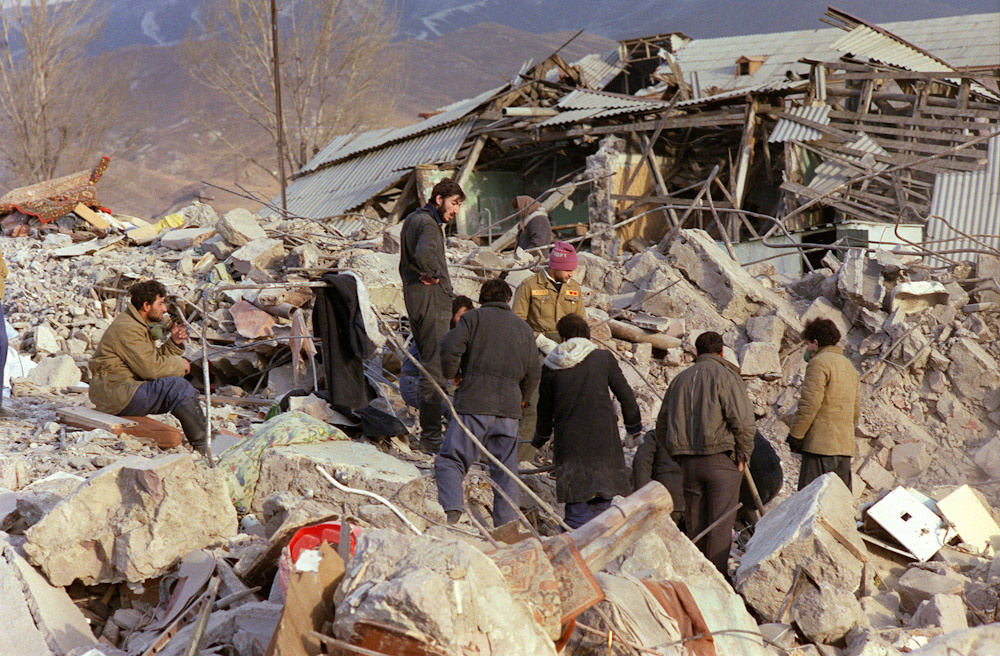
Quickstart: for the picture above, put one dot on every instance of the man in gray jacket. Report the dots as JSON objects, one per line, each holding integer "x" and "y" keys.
{"x": 706, "y": 423}
{"x": 427, "y": 294}
{"x": 491, "y": 356}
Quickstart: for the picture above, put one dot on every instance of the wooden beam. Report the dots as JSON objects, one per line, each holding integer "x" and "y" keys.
{"x": 739, "y": 179}
{"x": 945, "y": 124}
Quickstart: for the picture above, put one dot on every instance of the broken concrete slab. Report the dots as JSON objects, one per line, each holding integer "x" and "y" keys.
{"x": 987, "y": 457}
{"x": 62, "y": 626}
{"x": 882, "y": 610}
{"x": 826, "y": 614}
{"x": 257, "y": 255}
{"x": 45, "y": 340}
{"x": 37, "y": 499}
{"x": 860, "y": 280}
{"x": 875, "y": 475}
{"x": 736, "y": 294}
{"x": 447, "y": 590}
{"x": 239, "y": 227}
{"x": 766, "y": 329}
{"x": 974, "y": 373}
{"x": 218, "y": 247}
{"x": 55, "y": 372}
{"x": 946, "y": 611}
{"x": 918, "y": 585}
{"x": 380, "y": 273}
{"x": 912, "y": 297}
{"x": 977, "y": 641}
{"x": 910, "y": 459}
{"x": 185, "y": 238}
{"x": 355, "y": 464}
{"x": 133, "y": 520}
{"x": 760, "y": 359}
{"x": 20, "y": 635}
{"x": 793, "y": 534}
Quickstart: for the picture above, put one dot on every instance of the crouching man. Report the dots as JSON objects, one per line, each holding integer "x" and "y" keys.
{"x": 132, "y": 377}
{"x": 491, "y": 356}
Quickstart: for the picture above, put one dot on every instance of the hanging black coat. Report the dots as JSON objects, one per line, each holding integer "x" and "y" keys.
{"x": 338, "y": 323}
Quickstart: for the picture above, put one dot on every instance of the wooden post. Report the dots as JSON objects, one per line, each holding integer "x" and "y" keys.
{"x": 462, "y": 221}
{"x": 408, "y": 193}
{"x": 746, "y": 154}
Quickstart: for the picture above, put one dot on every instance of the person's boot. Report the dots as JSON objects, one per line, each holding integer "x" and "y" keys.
{"x": 430, "y": 427}
{"x": 193, "y": 423}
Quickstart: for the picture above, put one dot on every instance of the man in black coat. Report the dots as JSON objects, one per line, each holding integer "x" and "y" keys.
{"x": 427, "y": 294}
{"x": 491, "y": 356}
{"x": 574, "y": 405}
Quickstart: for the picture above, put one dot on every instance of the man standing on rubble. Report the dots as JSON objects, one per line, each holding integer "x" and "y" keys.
{"x": 706, "y": 424}
{"x": 132, "y": 377}
{"x": 542, "y": 300}
{"x": 575, "y": 407}
{"x": 829, "y": 406}
{"x": 427, "y": 294}
{"x": 492, "y": 358}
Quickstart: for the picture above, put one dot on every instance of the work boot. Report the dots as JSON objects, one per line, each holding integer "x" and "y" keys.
{"x": 453, "y": 516}
{"x": 430, "y": 427}
{"x": 193, "y": 422}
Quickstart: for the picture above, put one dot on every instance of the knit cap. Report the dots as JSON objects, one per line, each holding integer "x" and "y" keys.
{"x": 562, "y": 257}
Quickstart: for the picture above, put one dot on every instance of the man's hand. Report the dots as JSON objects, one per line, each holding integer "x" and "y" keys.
{"x": 178, "y": 334}
{"x": 187, "y": 366}
{"x": 429, "y": 280}
{"x": 741, "y": 461}
{"x": 457, "y": 380}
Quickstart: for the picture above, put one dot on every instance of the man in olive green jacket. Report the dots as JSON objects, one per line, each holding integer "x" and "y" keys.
{"x": 132, "y": 377}
{"x": 706, "y": 424}
{"x": 829, "y": 407}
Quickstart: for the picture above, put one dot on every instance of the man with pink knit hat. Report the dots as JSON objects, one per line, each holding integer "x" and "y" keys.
{"x": 542, "y": 300}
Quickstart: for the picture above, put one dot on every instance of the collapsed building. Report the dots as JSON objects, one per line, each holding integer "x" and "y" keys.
{"x": 742, "y": 185}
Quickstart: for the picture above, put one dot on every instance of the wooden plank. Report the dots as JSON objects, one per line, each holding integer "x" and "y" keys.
{"x": 953, "y": 124}
{"x": 888, "y": 74}
{"x": 91, "y": 217}
{"x": 745, "y": 155}
{"x": 918, "y": 133}
{"x": 847, "y": 544}
{"x": 90, "y": 419}
{"x": 666, "y": 200}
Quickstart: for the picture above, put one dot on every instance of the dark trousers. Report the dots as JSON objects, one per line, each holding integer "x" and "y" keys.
{"x": 458, "y": 453}
{"x": 578, "y": 513}
{"x": 529, "y": 418}
{"x": 3, "y": 350}
{"x": 429, "y": 310}
{"x": 711, "y": 487}
{"x": 814, "y": 466}
{"x": 156, "y": 397}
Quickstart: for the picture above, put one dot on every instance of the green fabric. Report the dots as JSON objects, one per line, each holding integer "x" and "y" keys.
{"x": 241, "y": 462}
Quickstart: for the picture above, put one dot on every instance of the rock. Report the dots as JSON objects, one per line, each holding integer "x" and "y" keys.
{"x": 13, "y": 472}
{"x": 259, "y": 255}
{"x": 918, "y": 585}
{"x": 910, "y": 459}
{"x": 736, "y": 294}
{"x": 218, "y": 247}
{"x": 882, "y": 610}
{"x": 988, "y": 457}
{"x": 446, "y": 589}
{"x": 45, "y": 340}
{"x": 61, "y": 625}
{"x": 860, "y": 280}
{"x": 875, "y": 475}
{"x": 132, "y": 521}
{"x": 760, "y": 359}
{"x": 56, "y": 371}
{"x": 256, "y": 622}
{"x": 37, "y": 499}
{"x": 791, "y": 534}
{"x": 944, "y": 610}
{"x": 199, "y": 214}
{"x": 978, "y": 641}
{"x": 821, "y": 308}
{"x": 869, "y": 643}
{"x": 486, "y": 258}
{"x": 380, "y": 273}
{"x": 598, "y": 273}
{"x": 766, "y": 329}
{"x": 306, "y": 256}
{"x": 20, "y": 635}
{"x": 355, "y": 464}
{"x": 185, "y": 238}
{"x": 239, "y": 227}
{"x": 973, "y": 372}
{"x": 825, "y": 615}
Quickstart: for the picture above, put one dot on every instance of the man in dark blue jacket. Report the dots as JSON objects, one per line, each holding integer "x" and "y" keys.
{"x": 491, "y": 356}
{"x": 427, "y": 294}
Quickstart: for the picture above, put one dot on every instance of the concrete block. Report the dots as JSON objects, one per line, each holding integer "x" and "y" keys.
{"x": 45, "y": 340}
{"x": 973, "y": 372}
{"x": 882, "y": 610}
{"x": 133, "y": 520}
{"x": 185, "y": 238}
{"x": 875, "y": 475}
{"x": 218, "y": 247}
{"x": 260, "y": 254}
{"x": 56, "y": 371}
{"x": 760, "y": 359}
{"x": 766, "y": 329}
{"x": 981, "y": 640}
{"x": 37, "y": 499}
{"x": 20, "y": 635}
{"x": 380, "y": 273}
{"x": 909, "y": 459}
{"x": 944, "y": 610}
{"x": 826, "y": 614}
{"x": 239, "y": 227}
{"x": 918, "y": 585}
{"x": 860, "y": 280}
{"x": 791, "y": 534}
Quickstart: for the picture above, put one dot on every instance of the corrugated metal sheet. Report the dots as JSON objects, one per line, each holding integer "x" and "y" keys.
{"x": 347, "y": 185}
{"x": 832, "y": 173}
{"x": 866, "y": 42}
{"x": 581, "y": 104}
{"x": 970, "y": 201}
{"x": 742, "y": 91}
{"x": 343, "y": 147}
{"x": 786, "y": 130}
{"x": 598, "y": 70}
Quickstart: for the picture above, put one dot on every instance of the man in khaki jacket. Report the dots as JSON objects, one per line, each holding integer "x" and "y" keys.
{"x": 706, "y": 424}
{"x": 542, "y": 300}
{"x": 132, "y": 377}
{"x": 829, "y": 407}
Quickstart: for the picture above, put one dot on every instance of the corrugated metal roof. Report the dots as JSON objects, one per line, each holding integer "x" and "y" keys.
{"x": 347, "y": 185}
{"x": 970, "y": 201}
{"x": 959, "y": 40}
{"x": 597, "y": 69}
{"x": 834, "y": 172}
{"x": 787, "y": 130}
{"x": 345, "y": 146}
{"x": 583, "y": 104}
{"x": 764, "y": 87}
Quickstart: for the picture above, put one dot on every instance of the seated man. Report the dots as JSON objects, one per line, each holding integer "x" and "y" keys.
{"x": 409, "y": 375}
{"x": 132, "y": 377}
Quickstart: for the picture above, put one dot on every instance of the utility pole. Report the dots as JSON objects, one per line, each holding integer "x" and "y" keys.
{"x": 277, "y": 106}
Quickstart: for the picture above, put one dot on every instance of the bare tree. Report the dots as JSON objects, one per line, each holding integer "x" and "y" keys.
{"x": 58, "y": 107}
{"x": 339, "y": 69}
